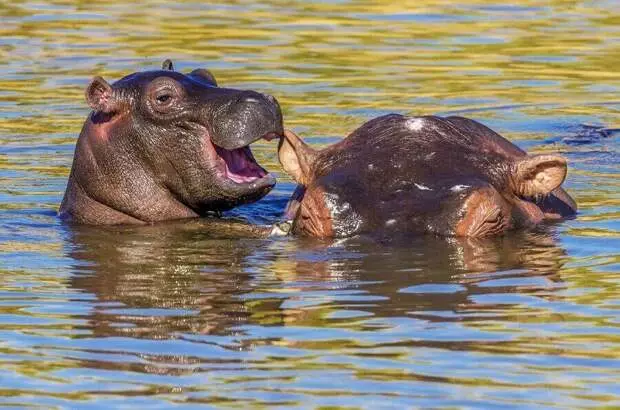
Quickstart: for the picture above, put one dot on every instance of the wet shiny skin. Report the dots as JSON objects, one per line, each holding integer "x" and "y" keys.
{"x": 164, "y": 145}
{"x": 402, "y": 175}
{"x": 178, "y": 315}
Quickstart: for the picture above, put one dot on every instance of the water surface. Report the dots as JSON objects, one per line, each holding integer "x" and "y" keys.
{"x": 171, "y": 315}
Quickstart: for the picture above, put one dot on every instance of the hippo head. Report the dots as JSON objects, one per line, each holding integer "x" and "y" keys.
{"x": 165, "y": 145}
{"x": 447, "y": 176}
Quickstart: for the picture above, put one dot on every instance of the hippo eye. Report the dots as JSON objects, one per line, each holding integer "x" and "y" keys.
{"x": 164, "y": 98}
{"x": 164, "y": 95}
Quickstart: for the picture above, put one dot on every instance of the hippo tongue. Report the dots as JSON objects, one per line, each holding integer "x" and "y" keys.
{"x": 241, "y": 167}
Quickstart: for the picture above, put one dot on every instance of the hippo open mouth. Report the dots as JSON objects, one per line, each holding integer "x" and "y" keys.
{"x": 240, "y": 165}
{"x": 231, "y": 129}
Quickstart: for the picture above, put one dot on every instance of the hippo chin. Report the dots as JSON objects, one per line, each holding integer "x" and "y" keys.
{"x": 445, "y": 176}
{"x": 162, "y": 145}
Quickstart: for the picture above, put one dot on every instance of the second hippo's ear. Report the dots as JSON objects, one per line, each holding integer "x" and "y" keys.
{"x": 296, "y": 157}
{"x": 99, "y": 95}
{"x": 536, "y": 175}
{"x": 203, "y": 75}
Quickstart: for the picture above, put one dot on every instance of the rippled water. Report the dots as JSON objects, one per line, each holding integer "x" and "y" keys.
{"x": 170, "y": 315}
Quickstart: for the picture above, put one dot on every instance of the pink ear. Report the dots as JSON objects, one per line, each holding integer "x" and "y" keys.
{"x": 539, "y": 174}
{"x": 296, "y": 157}
{"x": 99, "y": 95}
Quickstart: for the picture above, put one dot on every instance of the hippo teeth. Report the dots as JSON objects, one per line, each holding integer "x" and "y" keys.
{"x": 240, "y": 165}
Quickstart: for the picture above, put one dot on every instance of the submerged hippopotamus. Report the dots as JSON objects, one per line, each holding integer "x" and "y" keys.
{"x": 446, "y": 176}
{"x": 163, "y": 145}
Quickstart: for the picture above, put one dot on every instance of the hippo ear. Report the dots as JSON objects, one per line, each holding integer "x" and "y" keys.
{"x": 167, "y": 65}
{"x": 536, "y": 175}
{"x": 296, "y": 157}
{"x": 99, "y": 95}
{"x": 203, "y": 75}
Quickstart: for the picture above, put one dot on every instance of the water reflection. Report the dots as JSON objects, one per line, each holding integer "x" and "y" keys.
{"x": 152, "y": 287}
{"x": 166, "y": 280}
{"x": 427, "y": 274}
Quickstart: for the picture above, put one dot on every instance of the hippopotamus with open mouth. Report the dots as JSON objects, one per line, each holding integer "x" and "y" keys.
{"x": 445, "y": 176}
{"x": 163, "y": 145}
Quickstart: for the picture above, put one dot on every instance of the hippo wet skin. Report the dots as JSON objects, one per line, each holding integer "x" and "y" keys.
{"x": 162, "y": 145}
{"x": 445, "y": 176}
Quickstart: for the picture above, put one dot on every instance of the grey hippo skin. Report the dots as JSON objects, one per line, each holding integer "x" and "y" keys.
{"x": 445, "y": 176}
{"x": 162, "y": 145}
